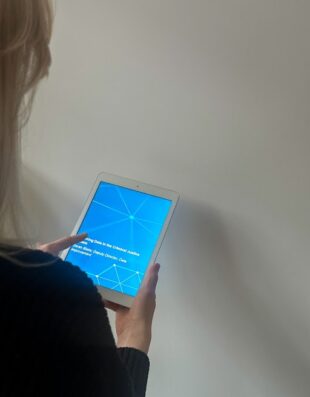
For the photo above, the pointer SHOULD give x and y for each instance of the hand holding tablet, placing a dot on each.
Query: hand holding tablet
(126, 221)
(134, 326)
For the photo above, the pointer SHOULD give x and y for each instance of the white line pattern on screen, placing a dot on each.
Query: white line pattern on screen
(120, 284)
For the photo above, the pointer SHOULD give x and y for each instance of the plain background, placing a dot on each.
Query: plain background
(211, 99)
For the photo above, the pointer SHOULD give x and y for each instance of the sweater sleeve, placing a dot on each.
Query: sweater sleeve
(122, 371)
(137, 364)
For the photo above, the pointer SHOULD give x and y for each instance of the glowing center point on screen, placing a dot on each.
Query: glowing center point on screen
(131, 217)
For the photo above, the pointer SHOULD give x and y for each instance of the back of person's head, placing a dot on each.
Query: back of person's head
(25, 32)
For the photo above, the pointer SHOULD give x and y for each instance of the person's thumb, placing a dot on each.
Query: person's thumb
(151, 278)
(145, 302)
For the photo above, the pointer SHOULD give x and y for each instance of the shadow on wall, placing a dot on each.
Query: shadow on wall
(50, 210)
(246, 326)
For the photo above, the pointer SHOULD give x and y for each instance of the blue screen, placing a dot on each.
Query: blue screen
(123, 227)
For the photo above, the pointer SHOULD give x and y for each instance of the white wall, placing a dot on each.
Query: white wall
(209, 98)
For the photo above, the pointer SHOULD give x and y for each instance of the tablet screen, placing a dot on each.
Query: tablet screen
(123, 227)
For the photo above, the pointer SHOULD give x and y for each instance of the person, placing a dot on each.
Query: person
(56, 339)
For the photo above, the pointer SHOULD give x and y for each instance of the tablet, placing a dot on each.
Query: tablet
(126, 221)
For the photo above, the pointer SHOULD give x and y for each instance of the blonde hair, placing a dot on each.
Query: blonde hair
(25, 33)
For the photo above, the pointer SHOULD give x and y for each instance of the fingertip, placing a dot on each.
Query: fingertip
(156, 267)
(152, 284)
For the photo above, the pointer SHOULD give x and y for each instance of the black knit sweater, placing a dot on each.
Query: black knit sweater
(55, 335)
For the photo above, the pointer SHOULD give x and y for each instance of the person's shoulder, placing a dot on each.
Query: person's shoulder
(66, 275)
(52, 272)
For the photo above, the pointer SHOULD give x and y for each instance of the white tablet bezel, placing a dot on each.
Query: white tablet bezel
(108, 294)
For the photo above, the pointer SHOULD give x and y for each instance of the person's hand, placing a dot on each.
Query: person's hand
(134, 325)
(57, 246)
